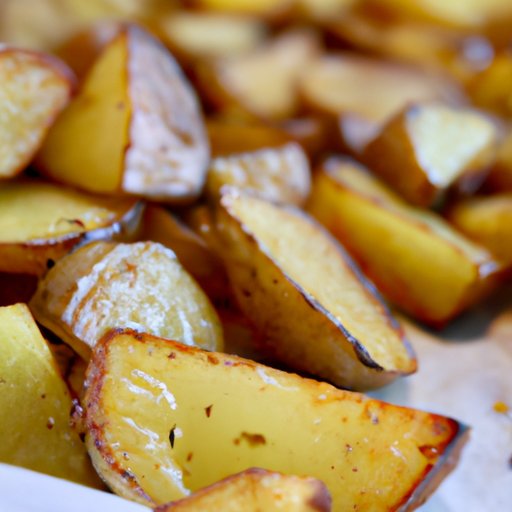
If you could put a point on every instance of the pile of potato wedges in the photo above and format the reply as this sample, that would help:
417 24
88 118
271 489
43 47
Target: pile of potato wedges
211 212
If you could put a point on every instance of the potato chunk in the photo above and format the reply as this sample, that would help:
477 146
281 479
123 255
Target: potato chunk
304 293
487 221
255 490
157 413
414 257
278 174
35 404
135 127
40 222
142 285
427 148
262 83
34 88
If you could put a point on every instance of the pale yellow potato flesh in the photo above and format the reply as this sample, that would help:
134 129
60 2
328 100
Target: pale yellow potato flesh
163 420
261 8
134 128
41 221
487 221
36 404
255 490
299 287
34 88
141 285
421 263
279 174
429 147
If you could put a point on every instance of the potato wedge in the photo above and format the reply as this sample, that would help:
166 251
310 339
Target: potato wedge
41 222
141 285
208 35
34 88
35 404
157 413
279 174
428 148
299 287
413 256
263 83
254 490
488 221
134 128
347 84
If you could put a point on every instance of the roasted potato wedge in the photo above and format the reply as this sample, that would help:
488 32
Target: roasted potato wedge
155 423
428 148
254 490
488 221
278 174
141 285
262 83
34 88
138 132
40 223
207 35
299 287
413 256
35 404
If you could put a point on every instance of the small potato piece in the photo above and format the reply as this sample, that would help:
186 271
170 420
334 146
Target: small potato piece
277 174
262 83
141 285
135 127
487 221
35 404
41 222
427 148
256 490
34 88
157 413
413 256
299 287
346 84
207 35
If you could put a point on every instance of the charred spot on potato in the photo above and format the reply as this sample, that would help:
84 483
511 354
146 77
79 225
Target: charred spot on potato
50 423
189 456
172 355
50 263
252 439
208 410
172 436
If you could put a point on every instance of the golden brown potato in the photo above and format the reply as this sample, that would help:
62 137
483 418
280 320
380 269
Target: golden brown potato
34 88
500 175
427 148
487 221
262 83
413 256
346 84
157 413
35 404
40 223
208 35
321 11
255 490
141 285
266 9
138 133
296 284
279 174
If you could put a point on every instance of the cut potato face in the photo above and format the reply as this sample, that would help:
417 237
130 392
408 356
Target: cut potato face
263 83
428 148
34 88
259 8
135 127
300 288
374 90
35 404
196 35
487 221
40 223
157 413
420 263
141 285
254 490
277 174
